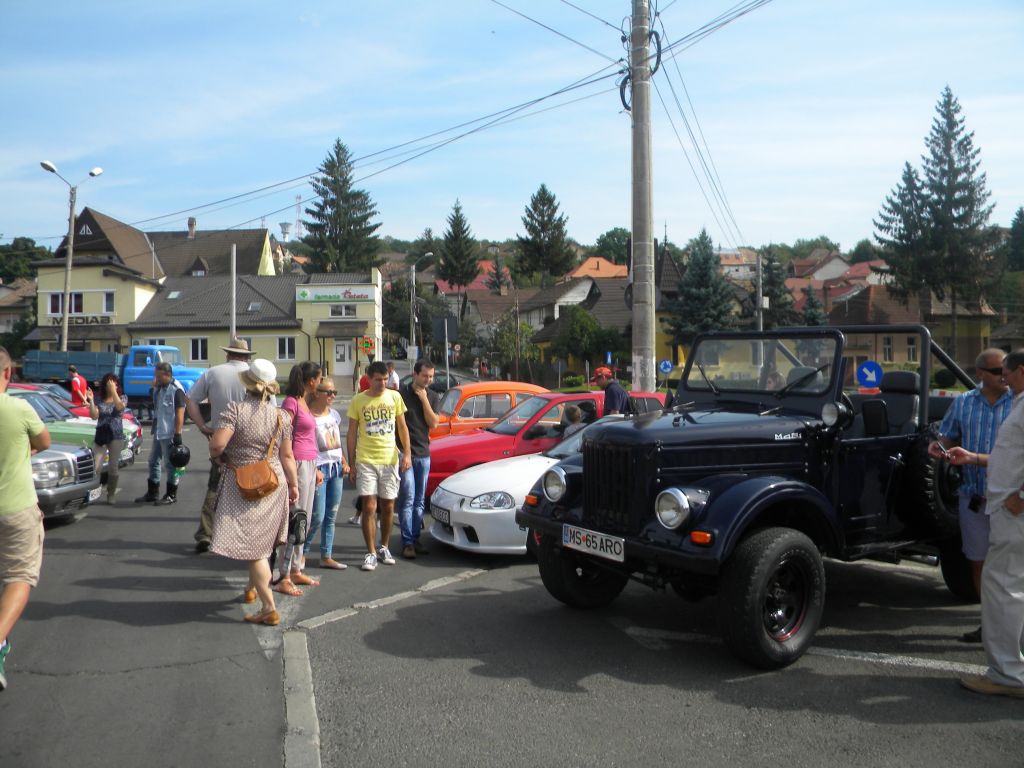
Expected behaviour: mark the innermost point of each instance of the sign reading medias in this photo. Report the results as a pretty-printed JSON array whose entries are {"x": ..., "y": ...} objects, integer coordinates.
[
  {"x": 333, "y": 293},
  {"x": 84, "y": 320}
]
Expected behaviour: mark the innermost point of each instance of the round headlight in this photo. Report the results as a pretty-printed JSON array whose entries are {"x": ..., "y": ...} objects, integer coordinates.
[
  {"x": 830, "y": 414},
  {"x": 672, "y": 508},
  {"x": 554, "y": 484}
]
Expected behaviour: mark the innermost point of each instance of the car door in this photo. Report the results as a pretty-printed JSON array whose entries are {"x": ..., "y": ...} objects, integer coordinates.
[{"x": 545, "y": 429}]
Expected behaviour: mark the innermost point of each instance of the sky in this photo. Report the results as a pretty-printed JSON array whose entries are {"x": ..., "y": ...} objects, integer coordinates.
[{"x": 808, "y": 110}]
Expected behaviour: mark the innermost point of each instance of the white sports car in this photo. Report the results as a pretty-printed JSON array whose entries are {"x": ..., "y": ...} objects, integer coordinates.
[{"x": 474, "y": 510}]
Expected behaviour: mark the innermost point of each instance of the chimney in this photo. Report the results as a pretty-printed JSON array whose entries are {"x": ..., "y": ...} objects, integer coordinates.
[{"x": 191, "y": 227}]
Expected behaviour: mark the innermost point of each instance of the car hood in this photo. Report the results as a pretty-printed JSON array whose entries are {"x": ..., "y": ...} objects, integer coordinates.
[
  {"x": 706, "y": 426},
  {"x": 515, "y": 475},
  {"x": 476, "y": 440}
]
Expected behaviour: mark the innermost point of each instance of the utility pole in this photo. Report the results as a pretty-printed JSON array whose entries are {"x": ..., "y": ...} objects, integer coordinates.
[
  {"x": 760, "y": 295},
  {"x": 643, "y": 221}
]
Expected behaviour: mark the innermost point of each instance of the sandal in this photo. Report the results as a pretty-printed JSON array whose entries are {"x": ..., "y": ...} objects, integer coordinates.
[
  {"x": 300, "y": 578},
  {"x": 249, "y": 596},
  {"x": 271, "y": 618},
  {"x": 330, "y": 562},
  {"x": 286, "y": 587}
]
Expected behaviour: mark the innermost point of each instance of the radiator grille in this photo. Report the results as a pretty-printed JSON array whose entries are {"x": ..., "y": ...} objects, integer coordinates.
[{"x": 85, "y": 466}]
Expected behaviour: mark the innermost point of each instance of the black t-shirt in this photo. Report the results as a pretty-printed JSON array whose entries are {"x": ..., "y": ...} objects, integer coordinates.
[{"x": 419, "y": 434}]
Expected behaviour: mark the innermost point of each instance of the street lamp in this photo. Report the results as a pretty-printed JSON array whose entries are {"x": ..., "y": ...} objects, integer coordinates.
[
  {"x": 66, "y": 306},
  {"x": 412, "y": 308}
]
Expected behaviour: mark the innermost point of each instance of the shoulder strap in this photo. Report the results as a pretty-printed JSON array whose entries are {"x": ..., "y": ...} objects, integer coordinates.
[{"x": 277, "y": 429}]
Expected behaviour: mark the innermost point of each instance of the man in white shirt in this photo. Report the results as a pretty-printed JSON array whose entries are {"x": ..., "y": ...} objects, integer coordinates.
[
  {"x": 220, "y": 386},
  {"x": 393, "y": 382}
]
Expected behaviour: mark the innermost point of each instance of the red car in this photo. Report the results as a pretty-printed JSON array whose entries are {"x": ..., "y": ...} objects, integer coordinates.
[
  {"x": 531, "y": 427},
  {"x": 78, "y": 410}
]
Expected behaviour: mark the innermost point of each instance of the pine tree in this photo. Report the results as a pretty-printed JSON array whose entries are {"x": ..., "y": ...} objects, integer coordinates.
[
  {"x": 459, "y": 265},
  {"x": 902, "y": 231},
  {"x": 498, "y": 277},
  {"x": 545, "y": 248},
  {"x": 1015, "y": 245},
  {"x": 780, "y": 310},
  {"x": 704, "y": 302},
  {"x": 340, "y": 230},
  {"x": 814, "y": 312}
]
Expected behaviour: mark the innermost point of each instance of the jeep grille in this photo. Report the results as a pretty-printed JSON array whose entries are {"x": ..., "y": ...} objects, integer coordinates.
[
  {"x": 613, "y": 488},
  {"x": 85, "y": 466}
]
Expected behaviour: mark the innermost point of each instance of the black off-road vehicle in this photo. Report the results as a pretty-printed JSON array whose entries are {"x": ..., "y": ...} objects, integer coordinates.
[{"x": 770, "y": 459}]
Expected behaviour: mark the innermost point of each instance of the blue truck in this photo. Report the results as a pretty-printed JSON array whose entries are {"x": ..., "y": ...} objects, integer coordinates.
[{"x": 135, "y": 368}]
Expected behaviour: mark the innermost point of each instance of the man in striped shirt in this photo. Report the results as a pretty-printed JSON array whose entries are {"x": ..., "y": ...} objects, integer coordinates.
[{"x": 972, "y": 423}]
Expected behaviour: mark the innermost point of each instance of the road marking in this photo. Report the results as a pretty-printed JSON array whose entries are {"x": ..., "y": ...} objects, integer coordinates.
[
  {"x": 327, "y": 618},
  {"x": 302, "y": 737},
  {"x": 654, "y": 639}
]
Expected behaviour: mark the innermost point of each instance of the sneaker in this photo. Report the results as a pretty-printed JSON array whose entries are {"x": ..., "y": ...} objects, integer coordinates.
[
  {"x": 4, "y": 650},
  {"x": 409, "y": 552},
  {"x": 420, "y": 549},
  {"x": 982, "y": 684},
  {"x": 354, "y": 520},
  {"x": 369, "y": 563},
  {"x": 385, "y": 556}
]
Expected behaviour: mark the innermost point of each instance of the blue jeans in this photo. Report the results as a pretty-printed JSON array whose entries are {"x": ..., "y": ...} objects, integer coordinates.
[
  {"x": 412, "y": 498},
  {"x": 325, "y": 507},
  {"x": 160, "y": 454}
]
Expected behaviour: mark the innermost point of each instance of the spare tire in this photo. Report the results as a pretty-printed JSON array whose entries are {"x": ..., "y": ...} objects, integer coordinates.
[{"x": 929, "y": 500}]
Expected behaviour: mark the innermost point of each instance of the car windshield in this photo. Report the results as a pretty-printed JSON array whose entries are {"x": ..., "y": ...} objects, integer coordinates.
[
  {"x": 513, "y": 421},
  {"x": 46, "y": 410},
  {"x": 172, "y": 356},
  {"x": 449, "y": 401},
  {"x": 797, "y": 365}
]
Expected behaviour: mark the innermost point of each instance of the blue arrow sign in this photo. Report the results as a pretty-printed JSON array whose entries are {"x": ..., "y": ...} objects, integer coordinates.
[
  {"x": 869, "y": 374},
  {"x": 665, "y": 366}
]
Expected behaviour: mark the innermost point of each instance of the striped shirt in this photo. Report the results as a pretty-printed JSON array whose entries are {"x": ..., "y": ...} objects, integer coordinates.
[{"x": 973, "y": 423}]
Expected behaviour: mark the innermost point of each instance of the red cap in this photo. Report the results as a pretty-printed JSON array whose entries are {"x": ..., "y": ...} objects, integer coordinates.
[{"x": 602, "y": 371}]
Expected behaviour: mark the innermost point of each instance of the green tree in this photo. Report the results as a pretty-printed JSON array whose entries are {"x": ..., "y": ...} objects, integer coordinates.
[
  {"x": 1015, "y": 245},
  {"x": 341, "y": 230},
  {"x": 498, "y": 277},
  {"x": 704, "y": 301},
  {"x": 864, "y": 250},
  {"x": 545, "y": 248},
  {"x": 17, "y": 257},
  {"x": 803, "y": 248},
  {"x": 780, "y": 310},
  {"x": 814, "y": 312},
  {"x": 422, "y": 245},
  {"x": 612, "y": 245},
  {"x": 902, "y": 230},
  {"x": 458, "y": 264},
  {"x": 512, "y": 344},
  {"x": 14, "y": 341}
]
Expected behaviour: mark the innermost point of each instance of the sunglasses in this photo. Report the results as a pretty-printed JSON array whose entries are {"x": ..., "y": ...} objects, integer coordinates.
[
  {"x": 993, "y": 371},
  {"x": 328, "y": 391}
]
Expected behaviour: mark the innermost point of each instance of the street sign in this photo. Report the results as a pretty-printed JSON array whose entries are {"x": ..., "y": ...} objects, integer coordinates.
[
  {"x": 367, "y": 344},
  {"x": 608, "y": 357},
  {"x": 458, "y": 347},
  {"x": 665, "y": 366},
  {"x": 869, "y": 374}
]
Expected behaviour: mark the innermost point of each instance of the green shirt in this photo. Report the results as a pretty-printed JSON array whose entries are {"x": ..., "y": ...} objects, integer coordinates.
[
  {"x": 376, "y": 416},
  {"x": 18, "y": 422}
]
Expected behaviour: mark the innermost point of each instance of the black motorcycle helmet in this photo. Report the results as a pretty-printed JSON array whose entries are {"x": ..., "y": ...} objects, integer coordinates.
[{"x": 180, "y": 456}]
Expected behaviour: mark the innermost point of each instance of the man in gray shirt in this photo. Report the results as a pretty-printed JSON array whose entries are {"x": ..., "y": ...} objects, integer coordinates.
[{"x": 220, "y": 386}]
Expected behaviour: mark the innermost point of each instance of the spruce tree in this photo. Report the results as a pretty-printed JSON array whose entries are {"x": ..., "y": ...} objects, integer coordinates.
[
  {"x": 704, "y": 301},
  {"x": 459, "y": 265},
  {"x": 902, "y": 231},
  {"x": 780, "y": 310},
  {"x": 1015, "y": 245},
  {"x": 814, "y": 312},
  {"x": 545, "y": 248},
  {"x": 341, "y": 232},
  {"x": 498, "y": 277}
]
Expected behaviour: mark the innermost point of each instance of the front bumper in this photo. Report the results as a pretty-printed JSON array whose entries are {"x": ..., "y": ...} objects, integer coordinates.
[{"x": 63, "y": 502}]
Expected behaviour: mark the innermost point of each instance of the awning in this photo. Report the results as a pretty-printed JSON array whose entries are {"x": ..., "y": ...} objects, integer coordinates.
[
  {"x": 341, "y": 329},
  {"x": 106, "y": 332}
]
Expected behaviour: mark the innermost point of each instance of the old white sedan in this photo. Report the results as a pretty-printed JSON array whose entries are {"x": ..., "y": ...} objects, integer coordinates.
[{"x": 474, "y": 510}]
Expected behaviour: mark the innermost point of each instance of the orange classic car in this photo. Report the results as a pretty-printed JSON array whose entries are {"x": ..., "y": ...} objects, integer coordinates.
[{"x": 478, "y": 404}]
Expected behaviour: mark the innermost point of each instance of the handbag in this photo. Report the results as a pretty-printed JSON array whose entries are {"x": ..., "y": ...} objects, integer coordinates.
[
  {"x": 259, "y": 479},
  {"x": 298, "y": 521}
]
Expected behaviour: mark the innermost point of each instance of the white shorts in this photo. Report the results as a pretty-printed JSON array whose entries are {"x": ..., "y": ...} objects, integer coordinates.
[{"x": 379, "y": 480}]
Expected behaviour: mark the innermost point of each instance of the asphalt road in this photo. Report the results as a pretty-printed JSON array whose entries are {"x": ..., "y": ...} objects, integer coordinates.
[{"x": 132, "y": 652}]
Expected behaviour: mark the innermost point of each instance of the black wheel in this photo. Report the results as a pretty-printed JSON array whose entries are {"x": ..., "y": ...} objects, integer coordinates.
[
  {"x": 771, "y": 597},
  {"x": 532, "y": 541},
  {"x": 929, "y": 504},
  {"x": 956, "y": 571},
  {"x": 574, "y": 580}
]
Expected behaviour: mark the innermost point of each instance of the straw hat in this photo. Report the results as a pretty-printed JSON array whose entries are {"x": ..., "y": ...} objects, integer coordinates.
[
  {"x": 260, "y": 377},
  {"x": 238, "y": 347}
]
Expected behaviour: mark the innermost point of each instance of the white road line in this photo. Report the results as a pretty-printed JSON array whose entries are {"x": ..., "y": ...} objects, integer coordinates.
[
  {"x": 327, "y": 618},
  {"x": 302, "y": 738}
]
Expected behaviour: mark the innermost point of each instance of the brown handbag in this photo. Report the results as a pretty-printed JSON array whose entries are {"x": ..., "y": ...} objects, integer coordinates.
[{"x": 259, "y": 479}]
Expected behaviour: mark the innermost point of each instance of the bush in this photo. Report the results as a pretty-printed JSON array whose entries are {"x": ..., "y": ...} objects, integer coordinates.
[{"x": 572, "y": 381}]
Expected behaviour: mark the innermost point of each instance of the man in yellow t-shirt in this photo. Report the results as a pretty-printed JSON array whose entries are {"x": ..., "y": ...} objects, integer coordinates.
[
  {"x": 374, "y": 418},
  {"x": 21, "y": 520}
]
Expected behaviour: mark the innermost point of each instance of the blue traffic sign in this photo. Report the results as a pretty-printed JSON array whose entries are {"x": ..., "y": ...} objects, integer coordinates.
[
  {"x": 869, "y": 374},
  {"x": 608, "y": 358},
  {"x": 665, "y": 366}
]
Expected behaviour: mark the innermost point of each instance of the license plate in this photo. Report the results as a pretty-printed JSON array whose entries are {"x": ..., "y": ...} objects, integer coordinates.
[
  {"x": 594, "y": 543},
  {"x": 441, "y": 515},
  {"x": 95, "y": 493}
]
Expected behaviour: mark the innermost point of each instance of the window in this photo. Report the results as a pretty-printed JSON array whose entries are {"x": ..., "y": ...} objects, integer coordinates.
[
  {"x": 108, "y": 301},
  {"x": 200, "y": 350},
  {"x": 343, "y": 310},
  {"x": 486, "y": 406},
  {"x": 254, "y": 306},
  {"x": 911, "y": 349},
  {"x": 57, "y": 304},
  {"x": 286, "y": 348},
  {"x": 887, "y": 349},
  {"x": 157, "y": 342},
  {"x": 198, "y": 273}
]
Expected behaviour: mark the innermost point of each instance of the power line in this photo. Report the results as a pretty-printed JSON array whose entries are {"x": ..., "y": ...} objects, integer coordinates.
[
  {"x": 588, "y": 13},
  {"x": 552, "y": 29}
]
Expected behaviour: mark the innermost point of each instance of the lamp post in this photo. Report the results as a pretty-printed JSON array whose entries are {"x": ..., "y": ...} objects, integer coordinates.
[
  {"x": 66, "y": 304},
  {"x": 412, "y": 308}
]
